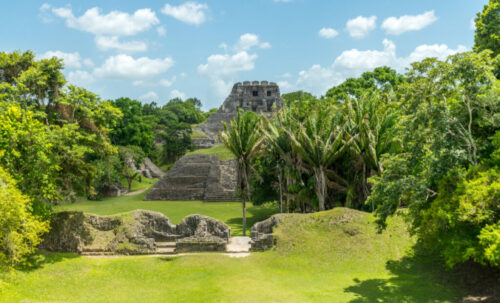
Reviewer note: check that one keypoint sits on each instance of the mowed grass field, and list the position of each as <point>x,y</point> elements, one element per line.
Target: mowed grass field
<point>332,256</point>
<point>228,212</point>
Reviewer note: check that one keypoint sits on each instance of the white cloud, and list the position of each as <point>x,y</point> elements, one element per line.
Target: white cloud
<point>285,75</point>
<point>149,96</point>
<point>115,23</point>
<point>247,41</point>
<point>162,32</point>
<point>177,94</point>
<point>222,69</point>
<point>44,13</point>
<point>285,86</point>
<point>360,26</point>
<point>440,51</point>
<point>71,60</point>
<point>105,43</point>
<point>88,62</point>
<point>406,23</point>
<point>327,33</point>
<point>352,63</point>
<point>225,65</point>
<point>167,82</point>
<point>80,77</point>
<point>190,12</point>
<point>365,60</point>
<point>126,67</point>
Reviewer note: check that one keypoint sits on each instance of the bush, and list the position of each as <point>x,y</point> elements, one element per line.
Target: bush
<point>20,231</point>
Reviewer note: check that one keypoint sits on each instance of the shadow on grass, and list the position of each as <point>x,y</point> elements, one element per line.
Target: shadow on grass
<point>254,215</point>
<point>423,278</point>
<point>42,257</point>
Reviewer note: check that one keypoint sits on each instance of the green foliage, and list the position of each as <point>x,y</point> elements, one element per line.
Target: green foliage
<point>20,231</point>
<point>487,34</point>
<point>133,128</point>
<point>382,78</point>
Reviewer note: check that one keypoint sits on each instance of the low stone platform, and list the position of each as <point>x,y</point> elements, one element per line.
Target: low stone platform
<point>197,177</point>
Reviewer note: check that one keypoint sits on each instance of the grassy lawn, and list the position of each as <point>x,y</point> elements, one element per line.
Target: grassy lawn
<point>136,185</point>
<point>219,150</point>
<point>228,212</point>
<point>196,134</point>
<point>333,256</point>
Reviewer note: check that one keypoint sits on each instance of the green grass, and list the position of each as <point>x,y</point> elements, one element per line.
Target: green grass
<point>136,185</point>
<point>228,212</point>
<point>196,134</point>
<point>219,150</point>
<point>333,256</point>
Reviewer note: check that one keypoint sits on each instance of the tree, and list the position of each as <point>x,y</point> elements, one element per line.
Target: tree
<point>487,35</point>
<point>319,142</point>
<point>243,138</point>
<point>130,156</point>
<point>133,128</point>
<point>20,231</point>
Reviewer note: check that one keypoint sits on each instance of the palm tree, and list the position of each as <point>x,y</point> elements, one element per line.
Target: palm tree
<point>278,142</point>
<point>370,122</point>
<point>243,138</point>
<point>319,142</point>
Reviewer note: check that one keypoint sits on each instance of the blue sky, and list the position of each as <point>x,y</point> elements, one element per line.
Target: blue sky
<point>156,50</point>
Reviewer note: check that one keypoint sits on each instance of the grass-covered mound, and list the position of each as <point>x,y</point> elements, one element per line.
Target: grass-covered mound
<point>219,150</point>
<point>333,256</point>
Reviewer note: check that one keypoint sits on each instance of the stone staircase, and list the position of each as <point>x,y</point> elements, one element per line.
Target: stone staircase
<point>165,248</point>
<point>197,177</point>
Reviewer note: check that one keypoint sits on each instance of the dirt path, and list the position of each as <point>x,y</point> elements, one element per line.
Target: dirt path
<point>133,193</point>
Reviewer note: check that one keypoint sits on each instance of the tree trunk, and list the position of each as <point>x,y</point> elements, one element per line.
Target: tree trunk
<point>320,185</point>
<point>244,217</point>
<point>280,179</point>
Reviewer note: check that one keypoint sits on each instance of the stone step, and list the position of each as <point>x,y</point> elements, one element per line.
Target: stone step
<point>165,244</point>
<point>166,251</point>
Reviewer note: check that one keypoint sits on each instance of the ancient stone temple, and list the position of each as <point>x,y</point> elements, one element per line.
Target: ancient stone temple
<point>206,177</point>
<point>260,97</point>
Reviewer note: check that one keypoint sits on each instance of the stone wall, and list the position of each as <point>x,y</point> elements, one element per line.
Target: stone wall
<point>197,177</point>
<point>133,233</point>
<point>262,233</point>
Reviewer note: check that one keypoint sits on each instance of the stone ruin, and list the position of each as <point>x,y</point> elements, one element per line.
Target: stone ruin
<point>138,232</point>
<point>260,97</point>
<point>197,177</point>
<point>205,177</point>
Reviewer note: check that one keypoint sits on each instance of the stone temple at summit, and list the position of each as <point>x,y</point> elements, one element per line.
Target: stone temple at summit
<point>206,177</point>
<point>260,97</point>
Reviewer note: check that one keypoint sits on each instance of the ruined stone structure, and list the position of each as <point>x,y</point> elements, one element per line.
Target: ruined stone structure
<point>260,97</point>
<point>197,177</point>
<point>205,177</point>
<point>138,232</point>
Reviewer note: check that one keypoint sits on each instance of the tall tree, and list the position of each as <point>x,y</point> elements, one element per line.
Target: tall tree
<point>487,34</point>
<point>243,138</point>
<point>319,142</point>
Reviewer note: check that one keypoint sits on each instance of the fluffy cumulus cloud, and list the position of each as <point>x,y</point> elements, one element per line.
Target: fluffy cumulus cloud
<point>71,60</point>
<point>177,94</point>
<point>105,43</point>
<point>246,42</point>
<point>149,96</point>
<point>360,26</point>
<point>126,67</point>
<point>406,23</point>
<point>114,23</point>
<point>327,33</point>
<point>80,78</point>
<point>353,62</point>
<point>190,12</point>
<point>222,69</point>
